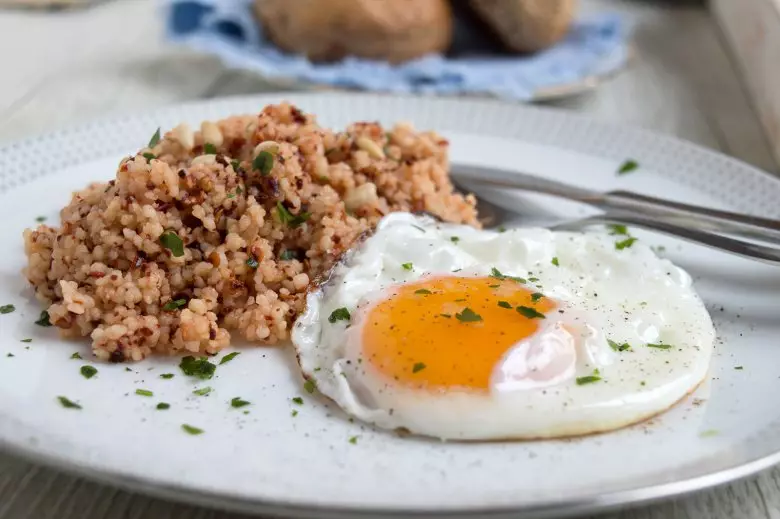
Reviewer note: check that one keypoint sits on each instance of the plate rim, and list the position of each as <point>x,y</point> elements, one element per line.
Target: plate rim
<point>258,505</point>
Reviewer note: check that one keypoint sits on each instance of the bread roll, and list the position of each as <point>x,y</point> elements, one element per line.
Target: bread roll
<point>392,30</point>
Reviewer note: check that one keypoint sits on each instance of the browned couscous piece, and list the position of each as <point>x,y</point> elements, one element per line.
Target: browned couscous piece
<point>224,228</point>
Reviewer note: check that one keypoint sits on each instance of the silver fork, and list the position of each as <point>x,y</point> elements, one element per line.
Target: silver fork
<point>690,223</point>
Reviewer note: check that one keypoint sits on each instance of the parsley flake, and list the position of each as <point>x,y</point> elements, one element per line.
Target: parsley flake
<point>310,386</point>
<point>709,433</point>
<point>88,371</point>
<point>530,313</point>
<point>536,296</point>
<point>468,316</point>
<point>407,266</point>
<point>505,304</point>
<point>454,239</point>
<point>418,366</point>
<point>659,346</point>
<point>76,355</point>
<point>294,413</point>
<point>155,140</point>
<point>495,273</point>
<point>10,355</point>
<point>297,400</point>
<point>555,262</point>
<point>339,314</point>
<point>501,229</point>
<point>163,406</point>
<point>167,376</point>
<point>143,392</point>
<point>423,292</point>
<point>617,229</point>
<point>446,316</point>
<point>67,403</point>
<point>174,304</point>
<point>628,242</point>
<point>197,367</point>
<point>7,309</point>
<point>353,440</point>
<point>189,429</point>
<point>589,379</point>
<point>43,320</point>
<point>148,156</point>
<point>26,340</point>
<point>287,255</point>
<point>40,219</point>
<point>740,368</point>
<point>252,263</point>
<point>264,163</point>
<point>171,241</point>
<point>209,149</point>
<point>627,167</point>
<point>292,220</point>
<point>229,357</point>
<point>235,164</point>
<point>202,391</point>
<point>619,347</point>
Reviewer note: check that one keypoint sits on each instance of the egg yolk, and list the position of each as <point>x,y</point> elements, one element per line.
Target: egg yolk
<point>450,332</point>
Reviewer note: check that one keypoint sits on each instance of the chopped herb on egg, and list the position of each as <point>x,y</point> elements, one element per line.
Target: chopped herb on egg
<point>252,263</point>
<point>501,229</point>
<point>618,229</point>
<point>287,255</point>
<point>229,357</point>
<point>143,392</point>
<point>26,340</point>
<point>40,219</point>
<point>209,149</point>
<point>192,430</point>
<point>235,164</point>
<point>536,296</point>
<point>619,347</point>
<point>454,239</point>
<point>659,346</point>
<point>505,304</point>
<point>149,156</point>
<point>67,403</point>
<point>238,402</point>
<point>310,386</point>
<point>418,366</point>
<point>171,241</point>
<point>709,433</point>
<point>197,367</point>
<point>353,440</point>
<point>10,355</point>
<point>589,379</point>
<point>446,316</point>
<point>739,367</point>
<point>88,371</point>
<point>167,376</point>
<point>339,314</point>
<point>533,280</point>
<point>555,262</point>
<point>468,316</point>
<point>155,140</point>
<point>163,406</point>
<point>174,304</point>
<point>297,400</point>
<point>423,292</point>
<point>264,163</point>
<point>202,391</point>
<point>291,220</point>
<point>530,313</point>
<point>627,167</point>
<point>495,273</point>
<point>624,244</point>
<point>462,299</point>
<point>494,286</point>
<point>407,266</point>
<point>7,309</point>
<point>294,413</point>
<point>43,319</point>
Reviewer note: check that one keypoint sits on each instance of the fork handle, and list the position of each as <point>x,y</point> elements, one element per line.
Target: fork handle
<point>689,215</point>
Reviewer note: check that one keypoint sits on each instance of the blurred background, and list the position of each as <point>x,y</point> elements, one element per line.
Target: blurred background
<point>694,69</point>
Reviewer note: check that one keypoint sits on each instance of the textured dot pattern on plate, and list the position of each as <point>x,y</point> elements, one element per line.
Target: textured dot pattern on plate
<point>458,333</point>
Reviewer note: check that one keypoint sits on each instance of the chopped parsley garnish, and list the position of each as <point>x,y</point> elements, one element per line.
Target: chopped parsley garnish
<point>339,314</point>
<point>126,369</point>
<point>43,320</point>
<point>10,355</point>
<point>292,220</point>
<point>143,392</point>
<point>310,386</point>
<point>495,273</point>
<point>418,366</point>
<point>264,162</point>
<point>149,156</point>
<point>589,379</point>
<point>7,309</point>
<point>353,440</point>
<point>209,149</point>
<point>446,316</point>
<point>468,316</point>
<point>155,140</point>
<point>627,167</point>
<point>238,402</point>
<point>189,429</point>
<point>26,340</point>
<point>229,357</point>
<point>536,296</point>
<point>454,239</point>
<point>619,347</point>
<point>294,413</point>
<point>297,400</point>
<point>555,262</point>
<point>709,433</point>
<point>252,262</point>
<point>174,304</point>
<point>533,280</point>
<point>418,228</point>
<point>502,229</point>
<point>530,313</point>
<point>617,229</point>
<point>407,266</point>
<point>171,241</point>
<point>659,346</point>
<point>197,367</point>
<point>236,164</point>
<point>423,292</point>
<point>494,286</point>
<point>163,406</point>
<point>67,403</point>
<point>167,376</point>
<point>88,371</point>
<point>40,219</point>
<point>202,391</point>
<point>628,242</point>
<point>505,304</point>
<point>287,255</point>
<point>739,367</point>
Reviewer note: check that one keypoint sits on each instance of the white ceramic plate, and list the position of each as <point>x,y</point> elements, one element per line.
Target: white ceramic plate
<point>268,461</point>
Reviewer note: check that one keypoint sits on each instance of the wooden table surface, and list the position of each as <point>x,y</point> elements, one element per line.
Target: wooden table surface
<point>65,67</point>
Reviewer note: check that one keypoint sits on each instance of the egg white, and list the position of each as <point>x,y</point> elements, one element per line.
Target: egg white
<point>627,296</point>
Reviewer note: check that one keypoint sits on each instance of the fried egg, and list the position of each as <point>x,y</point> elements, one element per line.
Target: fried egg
<point>458,333</point>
